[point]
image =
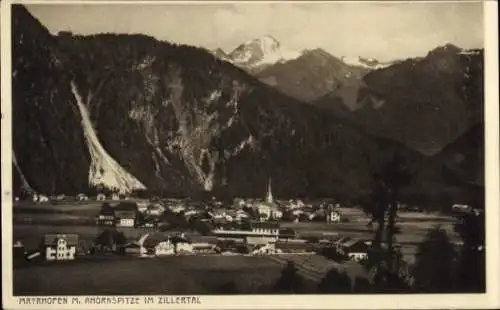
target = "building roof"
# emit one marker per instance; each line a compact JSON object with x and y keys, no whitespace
{"x":349,"y":243}
{"x":266,"y":225}
{"x":203,"y":239}
{"x":358,"y":247}
{"x":123,"y":214}
{"x":51,"y":239}
{"x":126,"y":206}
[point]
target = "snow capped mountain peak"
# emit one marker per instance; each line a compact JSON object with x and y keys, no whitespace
{"x":261,"y":51}
{"x":268,"y":44}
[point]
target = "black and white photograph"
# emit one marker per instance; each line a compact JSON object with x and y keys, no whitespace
{"x":254,"y":148}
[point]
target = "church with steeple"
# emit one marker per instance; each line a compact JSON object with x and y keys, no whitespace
{"x":269,"y":194}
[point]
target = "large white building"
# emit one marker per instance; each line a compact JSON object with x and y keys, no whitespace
{"x":60,"y":247}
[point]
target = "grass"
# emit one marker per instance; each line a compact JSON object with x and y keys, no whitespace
{"x":135,"y":276}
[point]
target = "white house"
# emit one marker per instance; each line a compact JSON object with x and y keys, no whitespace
{"x":183,"y":247}
{"x":126,"y":222}
{"x":178,"y":208}
{"x":60,"y":247}
{"x":266,"y":228}
{"x":356,"y":250}
{"x":164,"y":248}
{"x":240,"y":215}
{"x":82,"y":197}
{"x":333,"y":217}
{"x":142,"y":205}
{"x":276,"y":214}
{"x":264,"y":211}
{"x":125,"y":218}
{"x":40,"y":198}
{"x":155,"y":209}
{"x":265,"y":249}
{"x":461,"y":208}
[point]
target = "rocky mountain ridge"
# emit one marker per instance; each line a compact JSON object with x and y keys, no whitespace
{"x":424,"y":103}
{"x":128,"y":111}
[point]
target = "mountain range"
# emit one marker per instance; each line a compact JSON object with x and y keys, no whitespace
{"x":424,"y":102}
{"x":131,"y":113}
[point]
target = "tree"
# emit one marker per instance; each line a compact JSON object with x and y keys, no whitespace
{"x":435,"y":261}
{"x":335,"y":282}
{"x":385,"y":197}
{"x":362,"y":285}
{"x":290,"y":281}
{"x":471,"y":275}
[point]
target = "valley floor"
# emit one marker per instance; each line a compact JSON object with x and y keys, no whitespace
{"x":193,"y":274}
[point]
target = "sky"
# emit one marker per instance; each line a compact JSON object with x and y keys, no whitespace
{"x":385,"y":31}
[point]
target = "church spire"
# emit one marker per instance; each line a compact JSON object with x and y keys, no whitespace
{"x":269,"y":196}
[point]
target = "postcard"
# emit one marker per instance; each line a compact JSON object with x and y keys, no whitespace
{"x":250,"y":154}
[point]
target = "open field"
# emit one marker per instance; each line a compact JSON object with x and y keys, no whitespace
{"x":134,"y":276}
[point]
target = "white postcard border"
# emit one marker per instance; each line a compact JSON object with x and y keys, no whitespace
{"x":417,"y":301}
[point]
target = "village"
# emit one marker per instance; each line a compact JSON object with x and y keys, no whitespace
{"x":234,"y":237}
{"x":170,"y":227}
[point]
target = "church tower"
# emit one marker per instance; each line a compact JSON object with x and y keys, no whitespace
{"x":269,"y":195}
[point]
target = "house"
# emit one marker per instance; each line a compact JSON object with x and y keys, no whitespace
{"x":287,"y":233}
{"x":178,"y":208}
{"x":182,"y":245}
{"x":203,"y":244}
{"x":241,"y":215}
{"x":106,"y":218}
{"x":265,"y":249}
{"x":333,"y":217}
{"x":115,"y":196}
{"x":358,"y":251}
{"x":190,"y":212}
{"x":164,"y":248}
{"x":82,"y":197}
{"x":260,"y":240}
{"x":355,"y":249}
{"x":135,"y":249}
{"x":264,"y":211}
{"x":154,"y":209}
{"x":461,"y":208}
{"x":267,"y":228}
{"x":40,"y":198}
{"x":276,"y":214}
{"x":125,"y":218}
{"x":60,"y":246}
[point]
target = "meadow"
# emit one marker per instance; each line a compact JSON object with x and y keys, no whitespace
{"x":114,"y":275}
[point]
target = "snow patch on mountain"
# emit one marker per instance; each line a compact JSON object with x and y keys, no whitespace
{"x":369,"y":63}
{"x":104,"y":170}
{"x":281,"y":55}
